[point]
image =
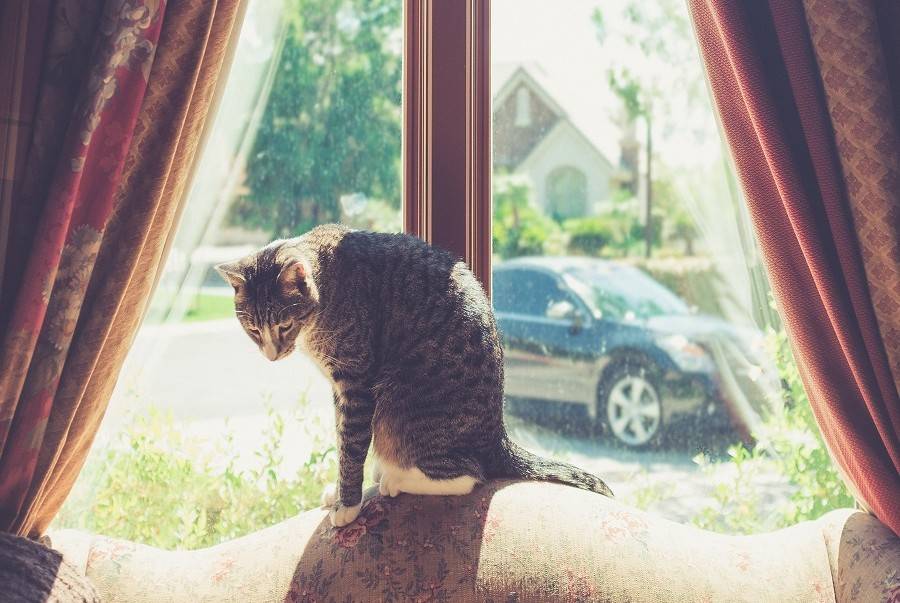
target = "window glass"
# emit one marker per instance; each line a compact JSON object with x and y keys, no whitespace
{"x":205,"y":439}
{"x":624,"y":292}
{"x":681,"y":393}
{"x":531,"y":294}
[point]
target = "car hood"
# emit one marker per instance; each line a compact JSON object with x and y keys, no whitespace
{"x":742,"y":349}
{"x":711,"y":332}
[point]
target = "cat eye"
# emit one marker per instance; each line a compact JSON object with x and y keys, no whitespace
{"x":253,"y":331}
{"x":282,"y":329}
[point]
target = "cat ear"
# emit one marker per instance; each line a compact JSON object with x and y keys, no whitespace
{"x":293,"y":276}
{"x":231,"y":272}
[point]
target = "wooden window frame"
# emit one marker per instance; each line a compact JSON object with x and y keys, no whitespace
{"x":447,"y":128}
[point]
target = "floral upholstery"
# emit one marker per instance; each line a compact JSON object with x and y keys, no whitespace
{"x":504,"y":542}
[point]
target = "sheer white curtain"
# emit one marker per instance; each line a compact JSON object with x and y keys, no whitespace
{"x":216,"y":182}
{"x":220,"y":170}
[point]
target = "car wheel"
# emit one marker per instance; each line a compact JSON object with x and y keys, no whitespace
{"x":630,"y":407}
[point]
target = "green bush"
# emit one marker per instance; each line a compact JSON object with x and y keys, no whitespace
{"x":588,"y":236}
{"x":788,"y":444}
{"x":518,"y":228}
{"x":157,"y":486}
{"x":794,"y":441}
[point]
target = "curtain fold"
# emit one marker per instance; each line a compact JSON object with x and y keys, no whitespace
{"x":792,"y":117}
{"x":99,"y":243}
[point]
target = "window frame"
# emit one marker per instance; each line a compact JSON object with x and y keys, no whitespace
{"x":447,"y":128}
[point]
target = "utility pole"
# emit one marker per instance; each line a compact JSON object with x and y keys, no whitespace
{"x":648,"y":224}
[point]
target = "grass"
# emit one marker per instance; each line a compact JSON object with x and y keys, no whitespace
{"x":210,"y":307}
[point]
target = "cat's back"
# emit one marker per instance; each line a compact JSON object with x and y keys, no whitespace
{"x":378,"y":251}
{"x":399,"y":269}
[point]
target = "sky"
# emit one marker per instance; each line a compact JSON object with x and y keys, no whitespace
{"x":561,"y":36}
{"x":558,"y":33}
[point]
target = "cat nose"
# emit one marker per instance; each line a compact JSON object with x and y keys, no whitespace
{"x":268,"y":347}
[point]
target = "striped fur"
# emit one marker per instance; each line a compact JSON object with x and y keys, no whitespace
{"x":408,"y":338}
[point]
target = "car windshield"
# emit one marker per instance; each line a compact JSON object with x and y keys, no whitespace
{"x":624,"y":292}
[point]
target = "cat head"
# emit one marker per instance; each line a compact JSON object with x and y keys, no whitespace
{"x":275,"y":297}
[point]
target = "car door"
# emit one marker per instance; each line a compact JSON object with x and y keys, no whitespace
{"x":546,"y":356}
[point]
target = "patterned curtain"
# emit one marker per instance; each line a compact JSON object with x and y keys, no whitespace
{"x":102,"y":123}
{"x":808,"y":92}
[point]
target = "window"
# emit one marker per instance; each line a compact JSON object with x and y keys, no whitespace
{"x":523,"y":108}
{"x":205,"y":439}
{"x":526,"y":292}
{"x":683,"y":354}
{"x":623,"y":266}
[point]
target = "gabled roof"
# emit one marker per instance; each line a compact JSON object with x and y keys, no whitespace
{"x":562,"y":129}
{"x":586,"y":113}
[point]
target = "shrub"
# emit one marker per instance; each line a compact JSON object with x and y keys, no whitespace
{"x":588,"y":236}
{"x":789,"y":444}
{"x":518,"y":228}
{"x":792,"y":438}
{"x":157,"y":486}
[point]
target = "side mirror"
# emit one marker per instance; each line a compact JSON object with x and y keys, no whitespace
{"x":561,"y":310}
{"x":566,"y":310}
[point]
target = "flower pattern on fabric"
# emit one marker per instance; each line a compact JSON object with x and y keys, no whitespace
{"x":124,"y":22}
{"x":556,"y":544}
{"x":623,"y":525}
{"x":70,"y":281}
{"x":868,"y":561}
{"x":65,"y":296}
{"x":88,"y":144}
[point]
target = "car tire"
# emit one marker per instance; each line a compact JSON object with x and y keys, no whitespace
{"x":629,"y":405}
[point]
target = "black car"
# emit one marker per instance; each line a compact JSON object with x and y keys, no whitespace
{"x":606,"y":335}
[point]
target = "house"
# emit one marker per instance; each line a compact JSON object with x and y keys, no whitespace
{"x":571,"y":155}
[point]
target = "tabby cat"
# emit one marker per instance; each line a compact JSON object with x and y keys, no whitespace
{"x":406,"y":335}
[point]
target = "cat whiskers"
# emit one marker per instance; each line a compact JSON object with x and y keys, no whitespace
{"x":287,"y":307}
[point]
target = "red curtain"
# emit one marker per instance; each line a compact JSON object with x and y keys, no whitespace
{"x":826,"y":224}
{"x":109,"y":101}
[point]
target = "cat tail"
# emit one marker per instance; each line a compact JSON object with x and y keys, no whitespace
{"x":511,"y":461}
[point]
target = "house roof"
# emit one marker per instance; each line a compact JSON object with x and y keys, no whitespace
{"x":585,"y":106}
{"x":562,"y":129}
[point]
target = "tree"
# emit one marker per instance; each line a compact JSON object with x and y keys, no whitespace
{"x":655,"y":74}
{"x":332,"y":125}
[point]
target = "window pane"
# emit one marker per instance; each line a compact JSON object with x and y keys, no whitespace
{"x":617,"y":217}
{"x":205,"y":439}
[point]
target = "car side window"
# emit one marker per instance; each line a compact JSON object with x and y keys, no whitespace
{"x":536,"y":292}
{"x":526,"y":292}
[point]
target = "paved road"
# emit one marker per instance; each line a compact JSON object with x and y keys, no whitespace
{"x":205,"y":373}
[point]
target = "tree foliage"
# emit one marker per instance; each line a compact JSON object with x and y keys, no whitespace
{"x":518,"y":227}
{"x":657,"y":78}
{"x":332,"y":125}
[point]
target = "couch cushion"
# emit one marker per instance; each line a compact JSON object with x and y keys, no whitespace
{"x":504,"y":542}
{"x":865,"y":556}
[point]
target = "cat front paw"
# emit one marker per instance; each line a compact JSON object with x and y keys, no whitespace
{"x":329,"y":495}
{"x":343,"y":515}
